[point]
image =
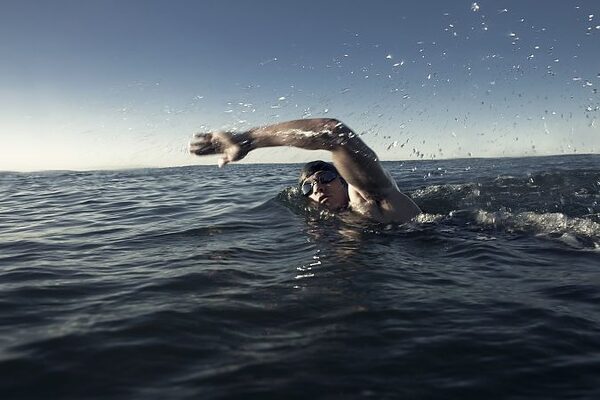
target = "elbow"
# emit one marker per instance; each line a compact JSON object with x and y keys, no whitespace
{"x":335,"y":125}
{"x":331,"y":134}
{"x":336,"y":130}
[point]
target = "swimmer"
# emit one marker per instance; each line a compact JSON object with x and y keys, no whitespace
{"x":355,"y":181}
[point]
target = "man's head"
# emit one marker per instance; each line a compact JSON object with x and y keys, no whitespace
{"x":321,"y":183}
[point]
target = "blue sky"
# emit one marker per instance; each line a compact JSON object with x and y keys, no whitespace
{"x":118,"y":84}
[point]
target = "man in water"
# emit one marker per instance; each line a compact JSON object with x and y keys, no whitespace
{"x":356,"y":181}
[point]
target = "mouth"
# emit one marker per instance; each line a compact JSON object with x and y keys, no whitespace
{"x":323,"y":200}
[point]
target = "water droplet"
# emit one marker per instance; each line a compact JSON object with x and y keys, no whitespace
{"x":389,"y":57}
{"x":576,"y":78}
{"x":474,"y":7}
{"x":268,"y":61}
{"x":393,"y":144}
{"x":281,"y":98}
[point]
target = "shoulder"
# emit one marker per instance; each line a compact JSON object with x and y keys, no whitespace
{"x":394,"y":206}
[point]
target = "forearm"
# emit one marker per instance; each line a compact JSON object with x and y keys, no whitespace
{"x":309,"y":134}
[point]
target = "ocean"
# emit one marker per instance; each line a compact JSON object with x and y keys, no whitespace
{"x":206,"y":283}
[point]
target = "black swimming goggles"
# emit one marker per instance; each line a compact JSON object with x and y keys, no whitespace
{"x":322,"y":177}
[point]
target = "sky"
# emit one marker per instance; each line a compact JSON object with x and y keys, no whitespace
{"x":124,"y":84}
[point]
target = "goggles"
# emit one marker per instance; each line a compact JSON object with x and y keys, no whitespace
{"x":323,"y":177}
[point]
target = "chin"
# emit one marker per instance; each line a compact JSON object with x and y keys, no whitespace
{"x":333,"y":206}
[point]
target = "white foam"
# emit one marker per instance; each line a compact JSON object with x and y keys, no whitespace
{"x":569,"y":228}
{"x":425,"y":218}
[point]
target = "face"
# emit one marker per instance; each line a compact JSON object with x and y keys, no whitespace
{"x":332,"y":194}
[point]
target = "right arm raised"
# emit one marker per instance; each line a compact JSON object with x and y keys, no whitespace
{"x":369,"y":183}
{"x":355,"y":161}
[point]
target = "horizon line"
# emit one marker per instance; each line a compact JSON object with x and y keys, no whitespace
{"x":242,"y":162}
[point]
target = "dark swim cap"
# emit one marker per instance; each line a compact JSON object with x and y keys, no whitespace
{"x":315,"y":166}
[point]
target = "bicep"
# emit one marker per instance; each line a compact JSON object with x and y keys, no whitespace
{"x":360,"y":167}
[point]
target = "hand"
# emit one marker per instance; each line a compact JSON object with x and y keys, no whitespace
{"x":232,"y":146}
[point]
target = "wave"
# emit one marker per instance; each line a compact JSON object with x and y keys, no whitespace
{"x":575,"y":232}
{"x":575,"y":193}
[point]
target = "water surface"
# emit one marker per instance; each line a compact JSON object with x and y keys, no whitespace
{"x":200,"y":282}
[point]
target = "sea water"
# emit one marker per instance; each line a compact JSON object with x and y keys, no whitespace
{"x":199,"y":282}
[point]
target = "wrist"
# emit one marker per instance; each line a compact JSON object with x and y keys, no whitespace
{"x":246,"y":141}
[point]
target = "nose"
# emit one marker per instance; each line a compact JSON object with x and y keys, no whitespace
{"x":317,"y":187}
